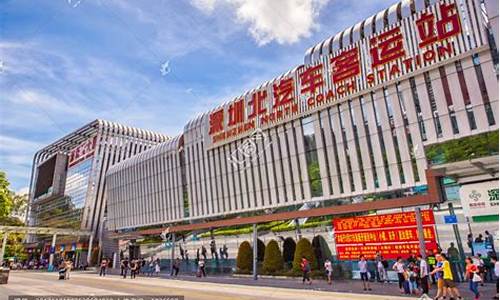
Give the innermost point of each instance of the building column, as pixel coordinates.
(172, 254)
(89, 255)
(420, 230)
(255, 252)
(52, 252)
(4, 243)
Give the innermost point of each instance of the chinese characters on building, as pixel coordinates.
(365, 64)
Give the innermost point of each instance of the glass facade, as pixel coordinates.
(312, 158)
(77, 182)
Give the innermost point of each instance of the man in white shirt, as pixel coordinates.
(363, 271)
(424, 275)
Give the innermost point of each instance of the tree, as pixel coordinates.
(244, 259)
(288, 249)
(304, 248)
(261, 248)
(14, 247)
(321, 250)
(273, 260)
(19, 205)
(5, 196)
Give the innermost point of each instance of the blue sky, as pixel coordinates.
(64, 63)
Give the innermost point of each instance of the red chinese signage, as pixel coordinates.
(392, 234)
(362, 65)
(82, 152)
(388, 251)
(382, 221)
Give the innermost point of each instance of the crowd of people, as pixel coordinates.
(416, 274)
(136, 267)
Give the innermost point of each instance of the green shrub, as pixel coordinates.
(304, 248)
(273, 260)
(288, 249)
(244, 258)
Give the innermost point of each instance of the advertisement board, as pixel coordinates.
(392, 235)
(480, 199)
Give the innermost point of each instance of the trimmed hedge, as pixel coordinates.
(244, 259)
(273, 260)
(304, 248)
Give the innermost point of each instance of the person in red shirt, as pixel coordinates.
(472, 274)
(306, 268)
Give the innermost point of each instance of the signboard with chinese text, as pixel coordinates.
(402, 219)
(392, 234)
(480, 199)
(82, 152)
(433, 35)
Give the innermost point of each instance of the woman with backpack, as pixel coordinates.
(306, 268)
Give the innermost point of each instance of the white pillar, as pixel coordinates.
(4, 243)
(115, 260)
(89, 255)
(52, 246)
(420, 230)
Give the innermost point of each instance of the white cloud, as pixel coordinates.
(206, 6)
(283, 21)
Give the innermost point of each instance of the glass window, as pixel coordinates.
(312, 158)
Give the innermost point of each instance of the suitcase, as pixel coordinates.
(198, 273)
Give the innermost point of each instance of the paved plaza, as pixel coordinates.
(43, 283)
(38, 283)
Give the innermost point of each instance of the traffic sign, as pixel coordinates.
(450, 219)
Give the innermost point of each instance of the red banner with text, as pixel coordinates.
(392, 234)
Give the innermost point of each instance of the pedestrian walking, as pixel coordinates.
(68, 265)
(399, 267)
(306, 268)
(363, 271)
(472, 275)
(175, 267)
(224, 249)
(134, 268)
(328, 270)
(424, 275)
(201, 269)
(413, 274)
(448, 283)
(454, 258)
(124, 266)
(157, 268)
(104, 264)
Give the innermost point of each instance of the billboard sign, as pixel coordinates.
(419, 41)
(480, 199)
(392, 234)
